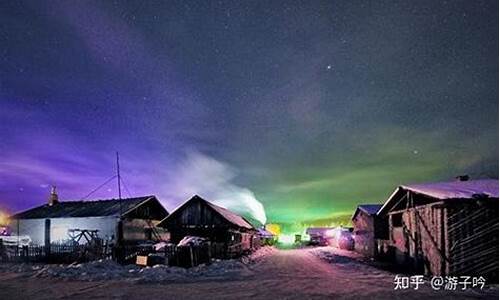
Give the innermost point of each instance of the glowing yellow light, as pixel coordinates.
(274, 229)
(4, 219)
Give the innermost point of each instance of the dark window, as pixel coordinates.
(397, 220)
(148, 232)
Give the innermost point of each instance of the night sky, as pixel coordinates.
(308, 107)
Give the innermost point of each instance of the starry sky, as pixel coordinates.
(303, 108)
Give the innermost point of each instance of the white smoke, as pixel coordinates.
(212, 180)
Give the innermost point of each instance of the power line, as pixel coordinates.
(125, 186)
(96, 189)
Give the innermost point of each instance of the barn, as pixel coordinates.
(199, 217)
(124, 220)
(366, 226)
(444, 228)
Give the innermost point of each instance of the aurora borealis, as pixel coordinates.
(309, 107)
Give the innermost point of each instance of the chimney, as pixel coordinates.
(462, 178)
(53, 198)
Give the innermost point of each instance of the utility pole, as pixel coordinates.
(119, 181)
(119, 230)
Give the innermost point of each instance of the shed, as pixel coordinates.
(266, 237)
(199, 217)
(124, 220)
(444, 228)
(366, 226)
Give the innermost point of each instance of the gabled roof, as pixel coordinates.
(445, 191)
(457, 189)
(369, 209)
(265, 233)
(77, 209)
(226, 214)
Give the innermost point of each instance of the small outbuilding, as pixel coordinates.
(366, 226)
(444, 228)
(266, 237)
(199, 217)
(113, 220)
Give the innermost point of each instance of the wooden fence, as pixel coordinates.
(56, 253)
(182, 256)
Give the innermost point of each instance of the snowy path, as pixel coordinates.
(286, 274)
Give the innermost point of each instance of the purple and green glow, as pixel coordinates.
(311, 109)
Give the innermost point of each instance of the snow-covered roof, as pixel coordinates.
(226, 214)
(456, 189)
(470, 189)
(79, 209)
(369, 209)
(263, 232)
(230, 216)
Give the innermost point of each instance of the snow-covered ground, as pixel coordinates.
(110, 270)
(309, 273)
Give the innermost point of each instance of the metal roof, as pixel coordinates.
(78, 209)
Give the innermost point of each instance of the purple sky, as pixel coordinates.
(308, 108)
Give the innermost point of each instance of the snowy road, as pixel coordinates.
(285, 274)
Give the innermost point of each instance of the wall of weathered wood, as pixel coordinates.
(364, 234)
(473, 238)
(418, 242)
(135, 230)
(453, 237)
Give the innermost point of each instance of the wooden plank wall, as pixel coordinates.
(473, 239)
(364, 235)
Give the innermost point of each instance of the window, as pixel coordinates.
(148, 232)
(397, 220)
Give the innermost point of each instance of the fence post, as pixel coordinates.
(209, 252)
(47, 238)
(191, 255)
(3, 255)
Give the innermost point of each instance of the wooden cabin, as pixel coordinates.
(446, 228)
(198, 217)
(366, 226)
(125, 220)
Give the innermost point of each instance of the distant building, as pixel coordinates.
(366, 225)
(266, 237)
(57, 220)
(444, 228)
(320, 235)
(198, 217)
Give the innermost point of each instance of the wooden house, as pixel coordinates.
(124, 220)
(444, 228)
(366, 226)
(198, 217)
